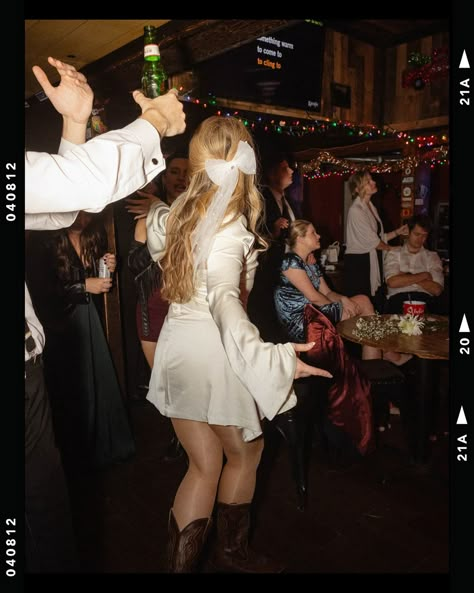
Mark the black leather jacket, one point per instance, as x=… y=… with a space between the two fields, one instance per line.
x=147 y=276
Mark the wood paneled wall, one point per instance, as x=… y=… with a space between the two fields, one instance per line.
x=375 y=78
x=408 y=104
x=354 y=63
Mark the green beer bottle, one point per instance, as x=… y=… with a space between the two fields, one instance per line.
x=153 y=74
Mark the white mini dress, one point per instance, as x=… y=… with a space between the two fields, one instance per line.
x=210 y=362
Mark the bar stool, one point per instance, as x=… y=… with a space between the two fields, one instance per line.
x=386 y=382
x=292 y=427
x=296 y=426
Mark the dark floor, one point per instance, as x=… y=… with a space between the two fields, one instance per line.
x=378 y=515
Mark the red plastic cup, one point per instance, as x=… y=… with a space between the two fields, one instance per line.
x=414 y=308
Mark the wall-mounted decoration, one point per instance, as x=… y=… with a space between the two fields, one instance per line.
x=340 y=95
x=422 y=69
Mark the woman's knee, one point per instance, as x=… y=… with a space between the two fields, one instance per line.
x=203 y=448
x=236 y=450
x=365 y=304
x=208 y=468
x=248 y=454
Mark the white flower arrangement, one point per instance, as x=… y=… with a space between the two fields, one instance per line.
x=411 y=325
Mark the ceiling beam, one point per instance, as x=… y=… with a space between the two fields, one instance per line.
x=184 y=43
x=421 y=124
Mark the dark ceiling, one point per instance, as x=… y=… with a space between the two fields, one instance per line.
x=188 y=42
x=389 y=32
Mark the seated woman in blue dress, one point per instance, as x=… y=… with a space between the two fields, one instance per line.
x=301 y=282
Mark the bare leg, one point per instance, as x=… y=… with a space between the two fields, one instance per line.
x=149 y=352
x=237 y=483
x=369 y=352
x=364 y=304
x=232 y=552
x=197 y=492
x=397 y=358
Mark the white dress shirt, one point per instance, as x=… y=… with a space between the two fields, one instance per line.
x=402 y=261
x=86 y=177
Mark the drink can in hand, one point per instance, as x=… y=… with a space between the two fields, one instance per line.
x=103 y=269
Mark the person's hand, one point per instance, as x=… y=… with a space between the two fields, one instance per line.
x=73 y=97
x=110 y=261
x=311 y=259
x=165 y=112
x=140 y=207
x=403 y=230
x=306 y=370
x=349 y=308
x=98 y=285
x=281 y=223
x=423 y=276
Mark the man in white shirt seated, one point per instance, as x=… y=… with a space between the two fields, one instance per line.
x=413 y=272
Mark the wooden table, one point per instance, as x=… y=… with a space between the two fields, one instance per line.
x=426 y=348
x=433 y=345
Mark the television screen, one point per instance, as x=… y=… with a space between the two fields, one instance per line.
x=282 y=68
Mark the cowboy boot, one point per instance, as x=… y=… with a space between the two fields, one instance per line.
x=184 y=547
x=232 y=552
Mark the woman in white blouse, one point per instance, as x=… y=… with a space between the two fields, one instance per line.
x=365 y=240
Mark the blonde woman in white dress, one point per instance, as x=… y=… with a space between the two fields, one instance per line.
x=213 y=375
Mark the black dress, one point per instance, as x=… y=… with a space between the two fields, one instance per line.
x=357 y=275
x=90 y=419
x=261 y=305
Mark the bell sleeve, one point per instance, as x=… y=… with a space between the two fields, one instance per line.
x=267 y=370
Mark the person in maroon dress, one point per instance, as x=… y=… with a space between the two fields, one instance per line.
x=151 y=307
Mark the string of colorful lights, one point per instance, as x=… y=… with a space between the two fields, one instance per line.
x=301 y=127
x=438 y=143
x=314 y=168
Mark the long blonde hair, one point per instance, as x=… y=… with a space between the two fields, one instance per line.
x=216 y=138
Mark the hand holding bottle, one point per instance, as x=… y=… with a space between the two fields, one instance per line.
x=165 y=113
x=110 y=261
x=153 y=73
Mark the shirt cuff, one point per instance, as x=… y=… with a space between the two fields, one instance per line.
x=149 y=139
x=64 y=146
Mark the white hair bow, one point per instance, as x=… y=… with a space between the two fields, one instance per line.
x=224 y=174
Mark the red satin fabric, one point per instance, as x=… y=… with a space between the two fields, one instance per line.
x=349 y=399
